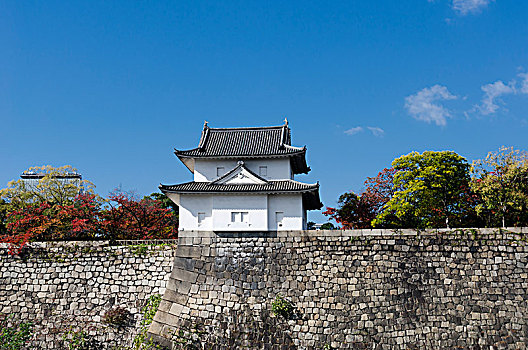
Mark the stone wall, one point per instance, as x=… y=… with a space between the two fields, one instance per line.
x=371 y=289
x=63 y=287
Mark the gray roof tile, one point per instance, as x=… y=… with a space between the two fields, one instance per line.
x=310 y=192
x=257 y=142
x=245 y=142
x=271 y=186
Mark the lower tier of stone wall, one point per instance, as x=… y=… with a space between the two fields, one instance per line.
x=66 y=289
x=348 y=289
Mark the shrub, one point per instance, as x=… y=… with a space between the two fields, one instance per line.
x=282 y=307
x=14 y=335
x=75 y=340
x=116 y=317
x=141 y=340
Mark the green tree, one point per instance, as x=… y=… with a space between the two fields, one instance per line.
x=328 y=226
x=52 y=187
x=4 y=207
x=429 y=190
x=501 y=181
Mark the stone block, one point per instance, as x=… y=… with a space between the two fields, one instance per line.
x=184 y=275
x=189 y=251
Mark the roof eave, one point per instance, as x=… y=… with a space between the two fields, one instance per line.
x=165 y=190
x=298 y=162
x=187 y=161
x=312 y=188
x=312 y=200
x=180 y=154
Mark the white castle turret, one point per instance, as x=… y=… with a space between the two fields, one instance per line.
x=244 y=181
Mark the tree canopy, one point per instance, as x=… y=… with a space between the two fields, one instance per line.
x=53 y=186
x=431 y=190
x=501 y=181
x=358 y=211
x=440 y=189
x=50 y=207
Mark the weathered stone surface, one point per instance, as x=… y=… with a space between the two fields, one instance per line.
x=72 y=285
x=350 y=289
x=371 y=289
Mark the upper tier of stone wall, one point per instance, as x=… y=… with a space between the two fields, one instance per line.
x=372 y=289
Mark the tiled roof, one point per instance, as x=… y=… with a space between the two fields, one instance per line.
x=245 y=142
x=257 y=142
x=271 y=186
x=310 y=192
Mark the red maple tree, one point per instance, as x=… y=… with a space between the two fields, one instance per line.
x=358 y=211
x=131 y=218
x=125 y=217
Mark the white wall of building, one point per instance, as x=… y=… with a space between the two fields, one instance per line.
x=285 y=212
x=240 y=212
x=205 y=170
x=193 y=207
x=234 y=212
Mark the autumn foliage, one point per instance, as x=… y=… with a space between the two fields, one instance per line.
x=120 y=217
x=358 y=211
x=129 y=218
x=87 y=217
x=46 y=221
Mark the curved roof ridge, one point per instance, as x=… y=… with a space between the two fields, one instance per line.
x=248 y=128
x=303 y=148
x=203 y=138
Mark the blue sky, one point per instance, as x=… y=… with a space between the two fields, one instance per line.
x=112 y=87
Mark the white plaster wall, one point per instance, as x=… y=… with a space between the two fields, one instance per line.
x=255 y=205
x=278 y=168
x=261 y=210
x=291 y=206
x=190 y=206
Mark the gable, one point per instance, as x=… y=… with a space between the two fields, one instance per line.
x=240 y=176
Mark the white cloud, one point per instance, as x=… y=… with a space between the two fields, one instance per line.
x=524 y=83
x=424 y=104
x=491 y=93
x=464 y=7
x=376 y=131
x=353 y=131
